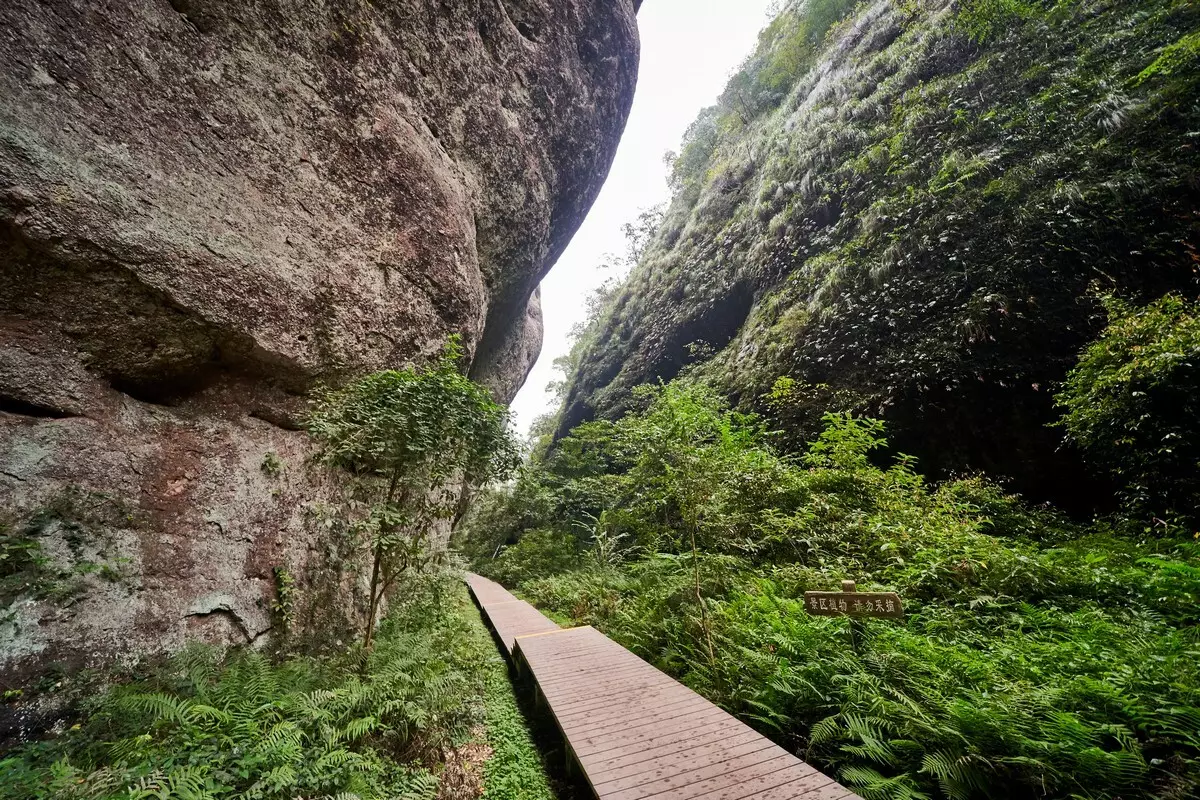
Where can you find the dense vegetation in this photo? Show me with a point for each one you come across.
(409, 440)
(972, 220)
(964, 230)
(1133, 406)
(1037, 658)
(421, 708)
(365, 724)
(906, 207)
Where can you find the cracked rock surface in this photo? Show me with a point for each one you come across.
(209, 206)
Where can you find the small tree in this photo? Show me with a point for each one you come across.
(409, 436)
(1132, 404)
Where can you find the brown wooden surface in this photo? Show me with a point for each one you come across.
(854, 604)
(507, 616)
(635, 732)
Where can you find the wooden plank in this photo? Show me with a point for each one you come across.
(705, 777)
(735, 784)
(681, 764)
(718, 730)
(513, 618)
(663, 757)
(643, 734)
(633, 679)
(613, 726)
(487, 591)
(635, 732)
(815, 786)
(624, 707)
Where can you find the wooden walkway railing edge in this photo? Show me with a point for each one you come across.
(634, 732)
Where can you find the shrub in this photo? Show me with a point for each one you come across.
(1133, 404)
(407, 436)
(538, 553)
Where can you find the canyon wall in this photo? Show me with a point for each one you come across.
(207, 207)
(908, 210)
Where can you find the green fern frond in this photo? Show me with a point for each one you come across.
(158, 706)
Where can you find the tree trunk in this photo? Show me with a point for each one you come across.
(376, 569)
(373, 608)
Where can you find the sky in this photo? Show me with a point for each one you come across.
(689, 50)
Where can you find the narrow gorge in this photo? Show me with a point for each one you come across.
(917, 324)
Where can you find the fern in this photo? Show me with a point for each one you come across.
(245, 728)
(156, 705)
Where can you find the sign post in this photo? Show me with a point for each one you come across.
(850, 602)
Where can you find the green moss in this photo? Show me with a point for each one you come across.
(84, 521)
(514, 771)
(916, 169)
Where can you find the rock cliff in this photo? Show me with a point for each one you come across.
(208, 206)
(903, 208)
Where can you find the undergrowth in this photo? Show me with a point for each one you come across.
(515, 770)
(360, 725)
(1038, 657)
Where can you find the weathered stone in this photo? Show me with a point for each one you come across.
(208, 206)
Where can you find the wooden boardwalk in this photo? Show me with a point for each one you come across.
(635, 732)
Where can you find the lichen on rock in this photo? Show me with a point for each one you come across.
(208, 207)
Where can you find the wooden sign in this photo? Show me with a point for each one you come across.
(852, 603)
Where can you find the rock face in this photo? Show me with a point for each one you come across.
(206, 206)
(906, 214)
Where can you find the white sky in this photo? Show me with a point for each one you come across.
(689, 50)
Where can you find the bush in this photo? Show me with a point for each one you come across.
(1133, 404)
(538, 553)
(1038, 657)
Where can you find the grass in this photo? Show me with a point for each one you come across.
(208, 726)
(515, 770)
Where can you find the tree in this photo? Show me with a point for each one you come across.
(408, 437)
(1133, 401)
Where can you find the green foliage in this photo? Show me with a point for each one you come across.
(793, 41)
(81, 522)
(419, 427)
(908, 219)
(23, 565)
(536, 553)
(1133, 404)
(285, 596)
(1038, 657)
(1175, 58)
(363, 724)
(700, 140)
(787, 49)
(515, 770)
(272, 465)
(408, 436)
(846, 442)
(985, 20)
